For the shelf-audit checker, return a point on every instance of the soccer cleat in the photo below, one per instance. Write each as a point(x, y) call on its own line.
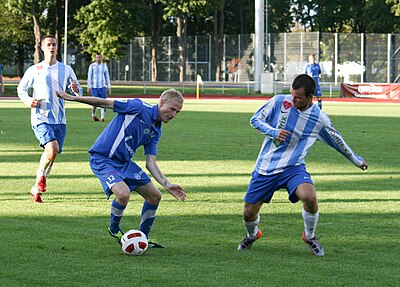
point(102, 120)
point(315, 247)
point(37, 197)
point(96, 119)
point(117, 235)
point(41, 184)
point(152, 244)
point(247, 242)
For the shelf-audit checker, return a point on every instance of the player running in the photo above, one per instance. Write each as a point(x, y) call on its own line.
point(313, 69)
point(291, 124)
point(47, 110)
point(136, 124)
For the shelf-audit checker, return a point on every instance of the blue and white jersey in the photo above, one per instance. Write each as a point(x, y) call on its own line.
point(98, 76)
point(135, 125)
point(306, 127)
point(45, 80)
point(313, 71)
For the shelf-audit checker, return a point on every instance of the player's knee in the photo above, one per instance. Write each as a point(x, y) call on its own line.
point(250, 212)
point(154, 198)
point(123, 197)
point(311, 204)
point(52, 154)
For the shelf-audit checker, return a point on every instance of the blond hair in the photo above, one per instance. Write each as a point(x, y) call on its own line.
point(172, 94)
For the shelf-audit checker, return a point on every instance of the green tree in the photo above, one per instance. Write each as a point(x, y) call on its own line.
point(156, 18)
point(35, 12)
point(178, 12)
point(106, 24)
point(16, 38)
point(372, 16)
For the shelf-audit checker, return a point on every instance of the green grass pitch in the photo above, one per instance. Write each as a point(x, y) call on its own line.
point(210, 149)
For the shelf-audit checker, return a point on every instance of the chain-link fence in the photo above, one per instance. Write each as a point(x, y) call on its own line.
point(343, 58)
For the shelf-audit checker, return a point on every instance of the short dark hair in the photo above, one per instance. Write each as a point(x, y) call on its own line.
point(306, 82)
point(48, 36)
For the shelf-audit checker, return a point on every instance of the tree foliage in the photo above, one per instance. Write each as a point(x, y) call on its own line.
point(106, 24)
point(366, 16)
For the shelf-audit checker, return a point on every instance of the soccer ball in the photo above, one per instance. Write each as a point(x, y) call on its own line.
point(134, 242)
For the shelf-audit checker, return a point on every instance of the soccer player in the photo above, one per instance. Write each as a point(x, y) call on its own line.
point(291, 125)
point(97, 82)
point(47, 110)
point(136, 124)
point(313, 69)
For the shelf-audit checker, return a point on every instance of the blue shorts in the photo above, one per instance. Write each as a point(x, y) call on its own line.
point(110, 172)
point(318, 92)
point(99, 92)
point(263, 187)
point(47, 132)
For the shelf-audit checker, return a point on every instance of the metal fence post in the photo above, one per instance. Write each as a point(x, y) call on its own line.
point(336, 57)
point(362, 56)
point(389, 45)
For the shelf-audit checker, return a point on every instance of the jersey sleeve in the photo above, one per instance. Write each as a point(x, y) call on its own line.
point(107, 77)
point(24, 85)
point(152, 147)
point(260, 120)
point(332, 137)
point(128, 107)
point(89, 77)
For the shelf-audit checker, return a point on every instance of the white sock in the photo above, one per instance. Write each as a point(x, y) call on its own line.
point(44, 166)
point(310, 223)
point(48, 170)
point(252, 227)
point(93, 111)
point(103, 113)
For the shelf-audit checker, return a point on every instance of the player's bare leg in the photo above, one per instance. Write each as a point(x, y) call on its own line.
point(251, 220)
point(51, 150)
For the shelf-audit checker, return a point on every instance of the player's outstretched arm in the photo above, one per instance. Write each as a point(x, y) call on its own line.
point(174, 189)
point(93, 101)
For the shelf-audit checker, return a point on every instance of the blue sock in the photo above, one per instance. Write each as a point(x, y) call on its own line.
point(117, 211)
point(148, 216)
point(320, 103)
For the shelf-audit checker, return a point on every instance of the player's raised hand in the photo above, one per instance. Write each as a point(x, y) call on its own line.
point(176, 191)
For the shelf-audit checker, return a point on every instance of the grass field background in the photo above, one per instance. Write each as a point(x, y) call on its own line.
point(210, 149)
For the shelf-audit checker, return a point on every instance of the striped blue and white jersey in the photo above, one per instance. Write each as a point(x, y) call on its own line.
point(313, 71)
point(45, 80)
point(98, 76)
point(136, 124)
point(306, 127)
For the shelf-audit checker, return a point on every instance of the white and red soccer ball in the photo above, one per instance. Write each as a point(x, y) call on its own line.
point(134, 242)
